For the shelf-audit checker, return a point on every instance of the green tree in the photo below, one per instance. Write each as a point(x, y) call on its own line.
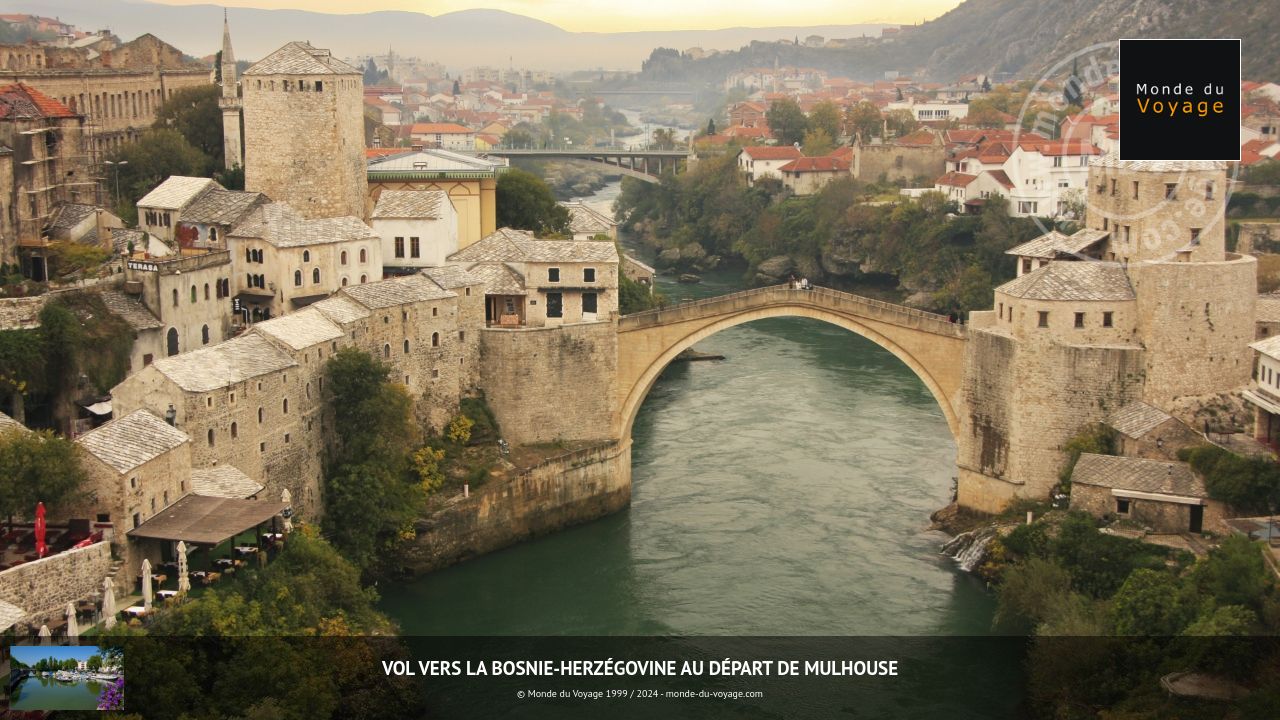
point(37, 466)
point(711, 126)
point(153, 158)
point(901, 122)
point(825, 116)
point(1234, 573)
point(818, 142)
point(1150, 602)
point(526, 203)
point(863, 120)
point(194, 113)
point(94, 663)
point(1027, 593)
point(664, 139)
point(787, 122)
point(1248, 484)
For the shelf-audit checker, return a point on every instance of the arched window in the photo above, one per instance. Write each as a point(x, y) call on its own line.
point(342, 257)
point(344, 282)
point(306, 256)
point(315, 276)
point(173, 340)
point(234, 431)
point(213, 234)
point(204, 335)
point(362, 257)
point(297, 277)
point(175, 297)
point(435, 339)
point(259, 416)
point(386, 351)
point(206, 291)
point(406, 347)
point(193, 293)
point(364, 279)
point(210, 437)
point(248, 255)
point(248, 279)
point(285, 405)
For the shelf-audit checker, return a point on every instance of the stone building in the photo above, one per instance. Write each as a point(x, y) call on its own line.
point(1165, 496)
point(808, 175)
point(304, 132)
point(1263, 392)
point(290, 261)
point(585, 222)
point(470, 182)
point(160, 210)
point(419, 229)
point(920, 154)
point(1146, 431)
point(189, 296)
point(536, 283)
point(43, 163)
point(194, 213)
point(1164, 317)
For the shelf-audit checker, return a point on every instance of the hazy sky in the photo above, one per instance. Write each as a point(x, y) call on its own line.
point(622, 15)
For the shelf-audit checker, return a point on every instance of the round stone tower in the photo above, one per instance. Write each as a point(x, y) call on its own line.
point(304, 131)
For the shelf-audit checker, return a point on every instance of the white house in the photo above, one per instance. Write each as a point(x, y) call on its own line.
point(419, 229)
point(926, 111)
point(761, 161)
point(446, 135)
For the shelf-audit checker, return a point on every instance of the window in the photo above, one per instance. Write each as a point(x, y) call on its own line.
point(172, 341)
point(193, 293)
point(1126, 233)
point(1026, 265)
point(306, 256)
point(315, 276)
point(414, 248)
point(344, 281)
point(1001, 312)
point(386, 351)
point(589, 275)
point(553, 274)
point(1195, 236)
point(399, 247)
point(259, 416)
point(342, 257)
point(555, 305)
point(206, 291)
point(234, 431)
point(589, 302)
point(286, 438)
point(1170, 191)
point(1057, 161)
point(285, 406)
point(1107, 319)
point(1044, 318)
point(362, 257)
point(1122, 506)
point(1208, 191)
point(297, 278)
point(435, 373)
point(1079, 319)
point(406, 347)
point(148, 359)
point(210, 437)
point(204, 335)
point(262, 447)
point(137, 519)
point(462, 335)
point(175, 297)
point(319, 86)
point(1113, 188)
point(1027, 207)
point(1135, 189)
point(435, 312)
point(364, 279)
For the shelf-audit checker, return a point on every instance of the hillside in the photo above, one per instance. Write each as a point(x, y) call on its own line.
point(1016, 37)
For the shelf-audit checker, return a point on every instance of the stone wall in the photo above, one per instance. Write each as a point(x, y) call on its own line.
point(1258, 237)
point(568, 490)
point(1161, 517)
point(56, 580)
point(550, 384)
point(898, 162)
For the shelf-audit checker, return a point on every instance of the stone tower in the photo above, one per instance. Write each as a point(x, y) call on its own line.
point(304, 132)
point(232, 142)
point(1144, 303)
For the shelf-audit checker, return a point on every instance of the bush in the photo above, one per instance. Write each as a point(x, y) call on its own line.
point(484, 426)
point(1248, 484)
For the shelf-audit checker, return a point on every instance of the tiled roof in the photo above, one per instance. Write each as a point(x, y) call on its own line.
point(451, 277)
point(507, 245)
point(23, 101)
point(129, 309)
point(226, 363)
point(1001, 177)
point(1114, 161)
point(1086, 280)
point(397, 291)
point(223, 481)
point(825, 163)
point(300, 330)
point(956, 179)
point(68, 215)
point(222, 207)
point(1137, 419)
point(175, 192)
point(300, 58)
point(127, 442)
point(1267, 308)
point(919, 138)
point(424, 204)
point(771, 152)
point(585, 219)
point(280, 225)
point(1138, 475)
point(433, 160)
point(341, 309)
point(632, 261)
point(8, 423)
point(499, 279)
point(121, 237)
point(1053, 243)
point(440, 129)
point(1269, 347)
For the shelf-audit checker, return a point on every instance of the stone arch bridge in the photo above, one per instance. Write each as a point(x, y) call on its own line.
point(931, 345)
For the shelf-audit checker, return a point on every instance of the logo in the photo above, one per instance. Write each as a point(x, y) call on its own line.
point(1180, 100)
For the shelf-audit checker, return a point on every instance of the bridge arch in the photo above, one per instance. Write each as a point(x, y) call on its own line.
point(930, 345)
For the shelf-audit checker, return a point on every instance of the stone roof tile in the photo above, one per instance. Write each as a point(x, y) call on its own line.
point(1054, 243)
point(585, 219)
point(499, 279)
point(1086, 280)
point(410, 204)
point(127, 442)
point(301, 329)
point(223, 481)
point(341, 309)
point(222, 207)
point(300, 58)
point(397, 291)
point(226, 363)
point(452, 277)
point(1137, 419)
point(129, 309)
point(1138, 475)
point(507, 245)
point(282, 226)
point(176, 192)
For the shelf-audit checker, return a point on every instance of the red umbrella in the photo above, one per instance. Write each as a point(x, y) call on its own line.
point(41, 548)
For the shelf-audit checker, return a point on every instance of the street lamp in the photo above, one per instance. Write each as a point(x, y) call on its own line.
point(115, 167)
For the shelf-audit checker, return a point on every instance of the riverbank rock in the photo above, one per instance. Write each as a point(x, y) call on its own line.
point(776, 268)
point(669, 258)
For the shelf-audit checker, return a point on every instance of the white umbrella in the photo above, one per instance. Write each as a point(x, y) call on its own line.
point(146, 585)
point(108, 603)
point(73, 630)
point(184, 582)
point(287, 499)
point(44, 634)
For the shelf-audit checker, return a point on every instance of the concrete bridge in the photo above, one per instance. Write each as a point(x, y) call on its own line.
point(646, 165)
point(931, 345)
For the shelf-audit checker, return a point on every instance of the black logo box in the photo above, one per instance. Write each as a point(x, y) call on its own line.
point(1194, 65)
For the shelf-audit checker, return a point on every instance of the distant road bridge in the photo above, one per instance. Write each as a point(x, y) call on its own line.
point(646, 165)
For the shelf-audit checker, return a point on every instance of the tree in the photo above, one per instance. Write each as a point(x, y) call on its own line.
point(1150, 602)
point(825, 116)
point(35, 467)
point(526, 203)
point(711, 126)
point(901, 122)
point(94, 663)
point(664, 139)
point(818, 142)
point(787, 122)
point(153, 158)
point(984, 113)
point(194, 113)
point(1073, 91)
point(863, 120)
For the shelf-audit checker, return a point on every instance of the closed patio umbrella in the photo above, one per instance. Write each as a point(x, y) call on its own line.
point(146, 585)
point(41, 548)
point(45, 635)
point(184, 582)
point(108, 604)
point(287, 499)
point(73, 630)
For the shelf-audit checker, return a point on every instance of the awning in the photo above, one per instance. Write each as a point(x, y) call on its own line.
point(255, 298)
point(207, 520)
point(1261, 401)
point(301, 302)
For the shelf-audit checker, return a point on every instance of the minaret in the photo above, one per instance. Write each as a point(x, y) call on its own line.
point(232, 145)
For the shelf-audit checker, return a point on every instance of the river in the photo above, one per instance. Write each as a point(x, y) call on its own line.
point(785, 490)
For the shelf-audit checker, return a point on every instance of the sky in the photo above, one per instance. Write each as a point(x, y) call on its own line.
point(29, 654)
point(628, 15)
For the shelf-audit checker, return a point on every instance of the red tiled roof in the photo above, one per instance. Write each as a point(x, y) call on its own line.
point(440, 128)
point(1001, 177)
point(746, 132)
point(956, 179)
point(20, 100)
point(770, 152)
point(383, 152)
point(1251, 152)
point(918, 138)
point(1063, 147)
point(824, 163)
